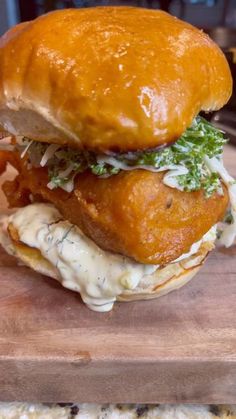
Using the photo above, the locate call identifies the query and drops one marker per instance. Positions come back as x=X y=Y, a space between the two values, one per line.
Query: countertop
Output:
x=85 y=411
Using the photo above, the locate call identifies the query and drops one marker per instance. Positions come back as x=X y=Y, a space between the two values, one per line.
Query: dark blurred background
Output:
x=216 y=17
x=203 y=13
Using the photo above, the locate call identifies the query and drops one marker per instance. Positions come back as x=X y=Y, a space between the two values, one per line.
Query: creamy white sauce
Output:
x=209 y=236
x=170 y=178
x=99 y=276
x=229 y=232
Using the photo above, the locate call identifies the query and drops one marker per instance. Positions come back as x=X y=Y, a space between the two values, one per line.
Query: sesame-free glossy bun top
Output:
x=108 y=78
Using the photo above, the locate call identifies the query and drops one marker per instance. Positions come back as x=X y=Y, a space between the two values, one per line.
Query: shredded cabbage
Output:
x=183 y=161
x=49 y=152
x=228 y=234
x=192 y=163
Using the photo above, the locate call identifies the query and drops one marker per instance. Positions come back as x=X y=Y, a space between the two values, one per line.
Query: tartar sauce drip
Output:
x=99 y=276
x=229 y=231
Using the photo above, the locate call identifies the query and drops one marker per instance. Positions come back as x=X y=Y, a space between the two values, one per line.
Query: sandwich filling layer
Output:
x=98 y=275
x=167 y=198
x=183 y=161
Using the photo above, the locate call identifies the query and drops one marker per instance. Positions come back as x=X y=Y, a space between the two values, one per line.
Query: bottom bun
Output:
x=169 y=278
x=162 y=281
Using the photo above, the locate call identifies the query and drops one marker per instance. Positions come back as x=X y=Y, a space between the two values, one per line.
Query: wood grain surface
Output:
x=179 y=348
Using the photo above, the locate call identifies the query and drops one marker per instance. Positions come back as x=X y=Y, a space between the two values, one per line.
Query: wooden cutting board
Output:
x=179 y=348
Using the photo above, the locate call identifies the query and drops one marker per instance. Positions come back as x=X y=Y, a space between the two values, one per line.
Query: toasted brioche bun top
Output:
x=108 y=78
